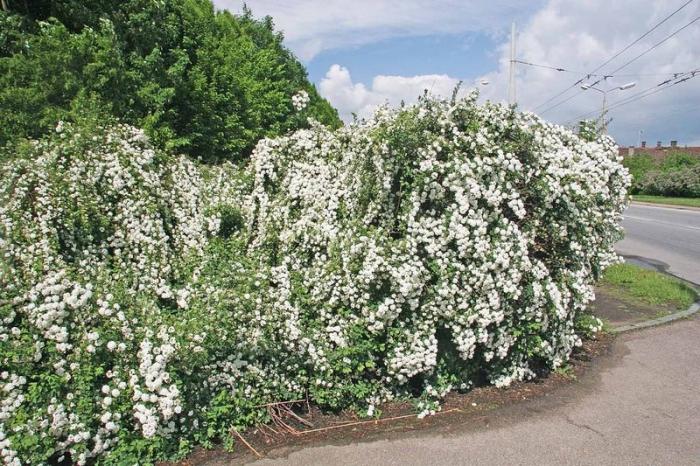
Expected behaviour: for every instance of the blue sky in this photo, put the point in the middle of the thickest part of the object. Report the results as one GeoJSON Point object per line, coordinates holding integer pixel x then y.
{"type": "Point", "coordinates": [462, 55]}
{"type": "Point", "coordinates": [362, 53]}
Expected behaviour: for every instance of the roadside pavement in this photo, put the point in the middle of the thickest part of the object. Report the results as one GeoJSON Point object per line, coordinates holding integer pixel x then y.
{"type": "Point", "coordinates": [640, 406]}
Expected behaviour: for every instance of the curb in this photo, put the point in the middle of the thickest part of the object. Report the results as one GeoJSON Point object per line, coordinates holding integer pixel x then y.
{"type": "Point", "coordinates": [665, 206]}
{"type": "Point", "coordinates": [694, 308]}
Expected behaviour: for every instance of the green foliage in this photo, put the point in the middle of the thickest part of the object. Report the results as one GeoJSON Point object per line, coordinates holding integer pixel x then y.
{"type": "Point", "coordinates": [589, 130]}
{"type": "Point", "coordinates": [638, 165]}
{"type": "Point", "coordinates": [678, 161]}
{"type": "Point", "coordinates": [679, 201]}
{"type": "Point", "coordinates": [676, 175]}
{"type": "Point", "coordinates": [587, 325]}
{"type": "Point", "coordinates": [207, 83]}
{"type": "Point", "coordinates": [683, 182]}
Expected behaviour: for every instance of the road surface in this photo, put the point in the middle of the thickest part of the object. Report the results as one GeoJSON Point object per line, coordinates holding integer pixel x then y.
{"type": "Point", "coordinates": [668, 235]}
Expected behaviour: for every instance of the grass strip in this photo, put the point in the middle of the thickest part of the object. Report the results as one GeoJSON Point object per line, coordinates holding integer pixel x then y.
{"type": "Point", "coordinates": [648, 286]}
{"type": "Point", "coordinates": [681, 201]}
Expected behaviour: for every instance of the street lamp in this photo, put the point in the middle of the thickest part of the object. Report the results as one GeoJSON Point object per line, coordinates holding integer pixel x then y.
{"type": "Point", "coordinates": [624, 87]}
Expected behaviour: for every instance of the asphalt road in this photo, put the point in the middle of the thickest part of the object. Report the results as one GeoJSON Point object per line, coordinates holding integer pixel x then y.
{"type": "Point", "coordinates": [641, 407]}
{"type": "Point", "coordinates": [667, 235]}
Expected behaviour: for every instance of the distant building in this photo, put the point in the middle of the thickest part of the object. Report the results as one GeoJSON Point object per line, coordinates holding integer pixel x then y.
{"type": "Point", "coordinates": [660, 151]}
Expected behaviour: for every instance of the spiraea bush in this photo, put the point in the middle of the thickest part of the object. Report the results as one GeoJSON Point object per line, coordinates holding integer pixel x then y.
{"type": "Point", "coordinates": [103, 313]}
{"type": "Point", "coordinates": [434, 247]}
{"type": "Point", "coordinates": [149, 304]}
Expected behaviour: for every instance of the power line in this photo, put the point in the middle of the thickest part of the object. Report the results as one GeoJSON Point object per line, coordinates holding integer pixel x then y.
{"type": "Point", "coordinates": [613, 57]}
{"type": "Point", "coordinates": [655, 45]}
{"type": "Point", "coordinates": [658, 89]}
{"type": "Point", "coordinates": [626, 100]}
{"type": "Point", "coordinates": [645, 93]}
{"type": "Point", "coordinates": [626, 64]}
{"type": "Point", "coordinates": [653, 89]}
{"type": "Point", "coordinates": [565, 70]}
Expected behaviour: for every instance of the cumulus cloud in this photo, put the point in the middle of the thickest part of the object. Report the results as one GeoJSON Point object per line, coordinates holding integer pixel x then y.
{"type": "Point", "coordinates": [571, 34]}
{"type": "Point", "coordinates": [350, 97]}
{"type": "Point", "coordinates": [580, 36]}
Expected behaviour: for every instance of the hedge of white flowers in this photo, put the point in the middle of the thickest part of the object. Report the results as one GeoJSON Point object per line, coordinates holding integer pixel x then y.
{"type": "Point", "coordinates": [149, 304]}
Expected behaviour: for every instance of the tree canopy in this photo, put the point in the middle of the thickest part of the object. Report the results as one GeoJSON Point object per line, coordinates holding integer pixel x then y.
{"type": "Point", "coordinates": [204, 82]}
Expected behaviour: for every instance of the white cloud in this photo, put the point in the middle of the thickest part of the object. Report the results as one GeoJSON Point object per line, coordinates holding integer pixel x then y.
{"type": "Point", "coordinates": [573, 34]}
{"type": "Point", "coordinates": [581, 36]}
{"type": "Point", "coordinates": [349, 97]}
{"type": "Point", "coordinates": [311, 26]}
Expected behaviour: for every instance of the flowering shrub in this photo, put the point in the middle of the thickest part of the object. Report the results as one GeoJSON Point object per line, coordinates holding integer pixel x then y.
{"type": "Point", "coordinates": [676, 175]}
{"type": "Point", "coordinates": [434, 247]}
{"type": "Point", "coordinates": [148, 304]}
{"type": "Point", "coordinates": [102, 242]}
{"type": "Point", "coordinates": [682, 182]}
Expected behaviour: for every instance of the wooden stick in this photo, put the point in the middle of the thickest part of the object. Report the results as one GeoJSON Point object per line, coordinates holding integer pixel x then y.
{"type": "Point", "coordinates": [270, 428]}
{"type": "Point", "coordinates": [294, 415]}
{"type": "Point", "coordinates": [246, 443]}
{"type": "Point", "coordinates": [274, 403]}
{"type": "Point", "coordinates": [276, 417]}
{"type": "Point", "coordinates": [375, 421]}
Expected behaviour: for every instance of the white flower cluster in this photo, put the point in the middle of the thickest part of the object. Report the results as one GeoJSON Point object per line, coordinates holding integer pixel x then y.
{"type": "Point", "coordinates": [300, 100]}
{"type": "Point", "coordinates": [146, 299]}
{"type": "Point", "coordinates": [101, 240]}
{"type": "Point", "coordinates": [445, 230]}
{"type": "Point", "coordinates": [157, 399]}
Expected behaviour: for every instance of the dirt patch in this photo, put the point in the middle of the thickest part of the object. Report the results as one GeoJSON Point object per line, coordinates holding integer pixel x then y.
{"type": "Point", "coordinates": [475, 409]}
{"type": "Point", "coordinates": [617, 309]}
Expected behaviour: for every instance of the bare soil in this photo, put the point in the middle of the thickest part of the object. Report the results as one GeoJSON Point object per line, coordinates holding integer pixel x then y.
{"type": "Point", "coordinates": [617, 309]}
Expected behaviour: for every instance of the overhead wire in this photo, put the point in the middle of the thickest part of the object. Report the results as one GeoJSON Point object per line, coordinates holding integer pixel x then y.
{"type": "Point", "coordinates": [626, 64]}
{"type": "Point", "coordinates": [566, 70]}
{"type": "Point", "coordinates": [587, 75]}
{"type": "Point", "coordinates": [644, 93]}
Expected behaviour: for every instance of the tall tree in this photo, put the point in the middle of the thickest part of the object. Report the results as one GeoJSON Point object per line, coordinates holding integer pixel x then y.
{"type": "Point", "coordinates": [203, 82]}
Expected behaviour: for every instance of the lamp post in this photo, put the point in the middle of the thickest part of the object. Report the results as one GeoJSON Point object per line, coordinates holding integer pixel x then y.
{"type": "Point", "coordinates": [624, 87]}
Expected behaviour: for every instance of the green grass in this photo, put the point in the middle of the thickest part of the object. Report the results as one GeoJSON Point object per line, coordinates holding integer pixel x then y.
{"type": "Point", "coordinates": [566, 371]}
{"type": "Point", "coordinates": [648, 286]}
{"type": "Point", "coordinates": [683, 201]}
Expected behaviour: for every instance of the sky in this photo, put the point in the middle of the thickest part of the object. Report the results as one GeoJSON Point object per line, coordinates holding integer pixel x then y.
{"type": "Point", "coordinates": [363, 53]}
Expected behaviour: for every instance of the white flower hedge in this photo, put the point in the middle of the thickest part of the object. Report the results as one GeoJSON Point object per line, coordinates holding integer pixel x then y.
{"type": "Point", "coordinates": [148, 304]}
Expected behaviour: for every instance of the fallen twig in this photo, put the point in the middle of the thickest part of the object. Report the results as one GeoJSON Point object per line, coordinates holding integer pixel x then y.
{"type": "Point", "coordinates": [290, 412]}
{"type": "Point", "coordinates": [375, 421]}
{"type": "Point", "coordinates": [246, 443]}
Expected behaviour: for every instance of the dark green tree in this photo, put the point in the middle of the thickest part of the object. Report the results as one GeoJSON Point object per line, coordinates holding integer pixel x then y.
{"type": "Point", "coordinates": [204, 82]}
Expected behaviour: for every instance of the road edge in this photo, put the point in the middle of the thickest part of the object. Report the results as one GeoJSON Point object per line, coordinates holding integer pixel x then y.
{"type": "Point", "coordinates": [694, 308]}
{"type": "Point", "coordinates": [665, 206]}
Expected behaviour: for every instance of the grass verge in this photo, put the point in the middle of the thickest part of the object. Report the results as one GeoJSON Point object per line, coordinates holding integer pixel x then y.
{"type": "Point", "coordinates": [681, 201]}
{"type": "Point", "coordinates": [647, 286]}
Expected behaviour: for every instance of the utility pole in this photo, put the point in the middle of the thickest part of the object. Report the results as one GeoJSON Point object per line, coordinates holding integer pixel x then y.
{"type": "Point", "coordinates": [603, 114]}
{"type": "Point", "coordinates": [511, 74]}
